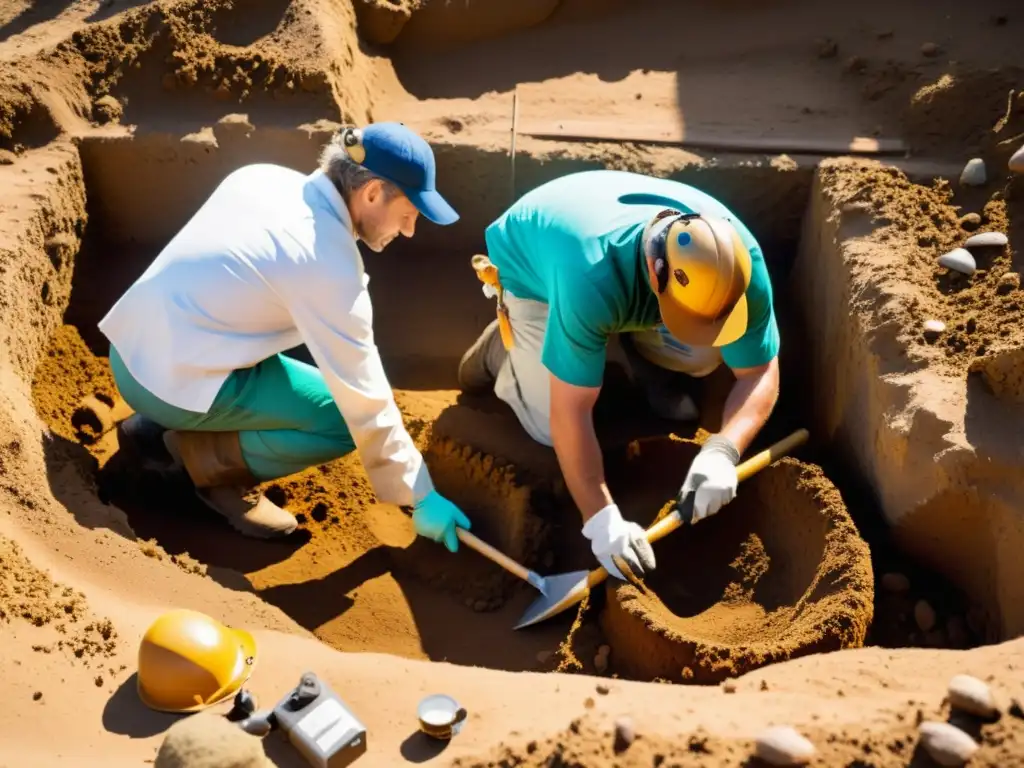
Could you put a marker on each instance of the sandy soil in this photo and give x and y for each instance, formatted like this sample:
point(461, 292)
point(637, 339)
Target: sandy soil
point(749, 608)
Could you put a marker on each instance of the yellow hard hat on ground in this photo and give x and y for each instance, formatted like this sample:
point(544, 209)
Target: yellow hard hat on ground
point(702, 270)
point(189, 661)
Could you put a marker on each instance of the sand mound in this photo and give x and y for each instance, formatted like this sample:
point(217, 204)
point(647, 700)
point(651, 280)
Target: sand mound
point(780, 573)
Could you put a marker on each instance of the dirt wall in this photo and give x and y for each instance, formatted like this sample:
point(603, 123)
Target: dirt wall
point(936, 444)
point(135, 215)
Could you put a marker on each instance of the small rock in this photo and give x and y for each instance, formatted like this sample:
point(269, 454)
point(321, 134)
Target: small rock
point(987, 240)
point(936, 639)
point(897, 582)
point(1016, 163)
point(1016, 710)
point(956, 630)
point(932, 330)
point(601, 663)
point(827, 48)
point(946, 744)
point(7, 157)
point(1008, 283)
point(924, 615)
point(107, 109)
point(625, 734)
point(781, 745)
point(37, 696)
point(960, 260)
point(976, 620)
point(855, 64)
point(970, 222)
point(973, 174)
point(588, 703)
point(729, 686)
point(973, 696)
point(544, 656)
point(603, 689)
point(931, 50)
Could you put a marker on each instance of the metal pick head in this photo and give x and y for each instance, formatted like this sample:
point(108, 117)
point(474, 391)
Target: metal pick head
point(563, 591)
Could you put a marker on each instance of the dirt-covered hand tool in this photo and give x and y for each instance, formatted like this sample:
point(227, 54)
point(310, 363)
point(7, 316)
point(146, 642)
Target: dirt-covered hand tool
point(495, 556)
point(567, 589)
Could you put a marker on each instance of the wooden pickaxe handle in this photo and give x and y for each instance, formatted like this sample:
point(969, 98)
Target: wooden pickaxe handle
point(750, 467)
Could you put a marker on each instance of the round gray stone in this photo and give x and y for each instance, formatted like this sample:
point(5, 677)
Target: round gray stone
point(972, 695)
point(960, 260)
point(946, 744)
point(1016, 163)
point(782, 745)
point(987, 240)
point(973, 174)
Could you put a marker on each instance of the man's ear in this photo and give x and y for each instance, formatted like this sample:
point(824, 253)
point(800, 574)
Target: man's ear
point(373, 191)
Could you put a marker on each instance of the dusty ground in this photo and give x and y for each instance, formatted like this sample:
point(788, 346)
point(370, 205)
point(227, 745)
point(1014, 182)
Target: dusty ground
point(179, 92)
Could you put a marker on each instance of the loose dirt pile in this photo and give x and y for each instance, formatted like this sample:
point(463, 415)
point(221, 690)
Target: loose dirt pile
point(781, 573)
point(60, 612)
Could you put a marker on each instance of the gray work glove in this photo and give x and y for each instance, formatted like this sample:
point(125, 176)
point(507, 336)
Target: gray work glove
point(620, 546)
point(712, 478)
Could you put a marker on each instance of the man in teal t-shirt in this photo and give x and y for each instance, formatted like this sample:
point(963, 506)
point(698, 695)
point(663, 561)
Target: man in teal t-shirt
point(682, 280)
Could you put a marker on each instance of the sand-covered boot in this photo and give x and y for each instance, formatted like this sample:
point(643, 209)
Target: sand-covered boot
point(224, 483)
point(141, 440)
point(479, 367)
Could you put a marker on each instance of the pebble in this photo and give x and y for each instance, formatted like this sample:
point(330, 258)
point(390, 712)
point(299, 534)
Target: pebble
point(600, 664)
point(932, 329)
point(986, 240)
point(897, 582)
point(625, 734)
point(959, 259)
point(924, 615)
point(931, 49)
point(827, 48)
point(1008, 282)
point(972, 695)
point(946, 744)
point(973, 174)
point(1016, 163)
point(781, 745)
point(729, 686)
point(970, 221)
point(956, 629)
point(603, 689)
point(37, 696)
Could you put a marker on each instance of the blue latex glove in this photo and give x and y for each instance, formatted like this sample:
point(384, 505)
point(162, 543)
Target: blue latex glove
point(436, 518)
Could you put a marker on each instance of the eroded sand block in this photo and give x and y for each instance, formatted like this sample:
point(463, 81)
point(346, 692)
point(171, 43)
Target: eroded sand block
point(941, 447)
point(779, 573)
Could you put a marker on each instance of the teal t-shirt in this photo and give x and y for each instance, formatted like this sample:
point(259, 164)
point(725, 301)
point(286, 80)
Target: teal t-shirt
point(574, 244)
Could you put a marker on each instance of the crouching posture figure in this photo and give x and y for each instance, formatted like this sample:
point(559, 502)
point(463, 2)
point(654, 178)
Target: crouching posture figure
point(270, 262)
point(677, 276)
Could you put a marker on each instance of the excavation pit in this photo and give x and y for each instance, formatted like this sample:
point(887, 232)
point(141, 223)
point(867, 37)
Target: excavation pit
point(781, 573)
point(354, 573)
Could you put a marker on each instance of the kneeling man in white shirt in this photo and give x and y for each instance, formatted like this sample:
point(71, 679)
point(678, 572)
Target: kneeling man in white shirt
point(270, 262)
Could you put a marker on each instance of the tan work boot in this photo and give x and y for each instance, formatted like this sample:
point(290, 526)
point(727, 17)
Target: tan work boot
point(478, 368)
point(223, 482)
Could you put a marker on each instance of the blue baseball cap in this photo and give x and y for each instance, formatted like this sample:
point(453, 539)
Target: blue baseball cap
point(404, 158)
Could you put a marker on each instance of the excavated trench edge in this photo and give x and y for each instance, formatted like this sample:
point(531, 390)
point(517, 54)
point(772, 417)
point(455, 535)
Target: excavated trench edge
point(645, 646)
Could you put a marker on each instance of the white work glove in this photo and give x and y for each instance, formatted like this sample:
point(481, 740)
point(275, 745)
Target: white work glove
point(712, 477)
point(616, 542)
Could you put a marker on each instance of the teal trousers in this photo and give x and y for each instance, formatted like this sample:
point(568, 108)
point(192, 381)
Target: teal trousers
point(281, 408)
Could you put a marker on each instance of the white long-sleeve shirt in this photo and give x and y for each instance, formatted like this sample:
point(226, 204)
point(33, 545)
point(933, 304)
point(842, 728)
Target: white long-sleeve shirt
point(267, 263)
